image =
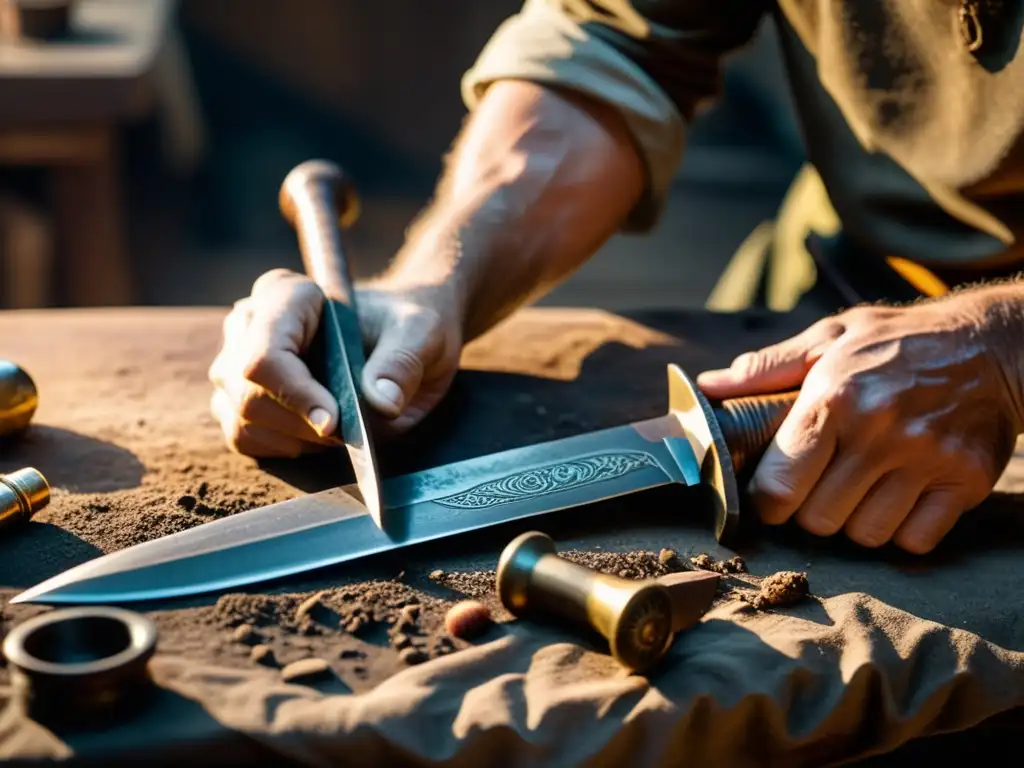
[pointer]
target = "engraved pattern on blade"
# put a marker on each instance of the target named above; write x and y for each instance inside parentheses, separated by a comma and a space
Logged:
(553, 478)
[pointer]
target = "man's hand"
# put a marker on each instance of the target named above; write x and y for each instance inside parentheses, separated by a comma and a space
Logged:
(267, 401)
(906, 418)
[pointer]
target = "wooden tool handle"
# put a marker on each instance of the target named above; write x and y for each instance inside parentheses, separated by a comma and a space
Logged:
(319, 200)
(749, 425)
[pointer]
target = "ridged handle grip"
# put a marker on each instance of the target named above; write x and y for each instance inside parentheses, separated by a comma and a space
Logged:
(749, 424)
(319, 200)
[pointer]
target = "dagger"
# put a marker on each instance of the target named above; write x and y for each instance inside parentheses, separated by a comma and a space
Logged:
(319, 200)
(693, 443)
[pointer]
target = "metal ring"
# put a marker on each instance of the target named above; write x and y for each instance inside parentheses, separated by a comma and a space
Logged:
(81, 663)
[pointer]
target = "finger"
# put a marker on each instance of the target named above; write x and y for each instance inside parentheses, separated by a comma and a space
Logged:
(771, 369)
(881, 512)
(272, 279)
(839, 490)
(400, 359)
(237, 320)
(251, 439)
(251, 403)
(277, 335)
(797, 457)
(934, 516)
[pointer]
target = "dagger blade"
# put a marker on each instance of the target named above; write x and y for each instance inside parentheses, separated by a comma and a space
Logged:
(332, 527)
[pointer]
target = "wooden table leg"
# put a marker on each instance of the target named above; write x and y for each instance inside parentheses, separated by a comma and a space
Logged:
(95, 270)
(26, 256)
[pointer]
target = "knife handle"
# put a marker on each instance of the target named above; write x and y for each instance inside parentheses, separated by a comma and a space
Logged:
(319, 200)
(749, 425)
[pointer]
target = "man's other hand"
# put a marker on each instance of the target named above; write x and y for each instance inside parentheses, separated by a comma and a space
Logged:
(906, 418)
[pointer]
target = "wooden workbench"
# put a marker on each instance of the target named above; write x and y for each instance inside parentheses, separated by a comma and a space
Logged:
(890, 648)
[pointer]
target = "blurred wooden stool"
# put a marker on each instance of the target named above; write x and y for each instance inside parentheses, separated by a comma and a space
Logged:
(66, 103)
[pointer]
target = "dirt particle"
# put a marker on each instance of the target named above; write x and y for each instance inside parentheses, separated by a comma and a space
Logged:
(410, 613)
(263, 655)
(781, 589)
(188, 503)
(400, 640)
(305, 669)
(351, 653)
(669, 559)
(467, 619)
(313, 610)
(444, 645)
(436, 575)
(412, 656)
(735, 564)
(706, 562)
(247, 634)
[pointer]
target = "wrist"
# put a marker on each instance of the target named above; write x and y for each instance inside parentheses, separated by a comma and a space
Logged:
(428, 278)
(474, 257)
(1001, 318)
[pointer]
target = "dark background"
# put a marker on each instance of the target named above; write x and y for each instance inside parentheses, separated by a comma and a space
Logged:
(375, 86)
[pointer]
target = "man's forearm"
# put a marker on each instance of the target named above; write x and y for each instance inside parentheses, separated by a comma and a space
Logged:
(535, 184)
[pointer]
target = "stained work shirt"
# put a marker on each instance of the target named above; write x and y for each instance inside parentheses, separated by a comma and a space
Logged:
(917, 139)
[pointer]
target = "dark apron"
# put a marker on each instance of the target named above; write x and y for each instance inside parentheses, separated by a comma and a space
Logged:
(804, 258)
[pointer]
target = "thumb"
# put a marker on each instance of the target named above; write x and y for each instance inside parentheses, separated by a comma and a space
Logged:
(395, 369)
(774, 368)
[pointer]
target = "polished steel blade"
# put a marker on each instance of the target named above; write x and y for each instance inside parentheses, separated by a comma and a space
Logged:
(344, 365)
(332, 527)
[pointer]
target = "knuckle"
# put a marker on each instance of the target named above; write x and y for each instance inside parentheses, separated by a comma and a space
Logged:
(776, 491)
(213, 373)
(871, 535)
(258, 366)
(830, 327)
(271, 277)
(306, 291)
(406, 362)
(846, 396)
(818, 524)
(249, 405)
(915, 544)
(750, 364)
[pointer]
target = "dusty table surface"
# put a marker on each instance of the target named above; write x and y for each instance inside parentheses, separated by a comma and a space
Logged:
(889, 648)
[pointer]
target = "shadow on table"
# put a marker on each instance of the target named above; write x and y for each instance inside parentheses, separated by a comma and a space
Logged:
(38, 551)
(169, 729)
(71, 460)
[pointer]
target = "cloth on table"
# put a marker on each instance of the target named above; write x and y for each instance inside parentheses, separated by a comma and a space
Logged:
(890, 648)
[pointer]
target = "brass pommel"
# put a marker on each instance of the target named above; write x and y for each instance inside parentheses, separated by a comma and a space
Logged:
(19, 398)
(635, 617)
(22, 494)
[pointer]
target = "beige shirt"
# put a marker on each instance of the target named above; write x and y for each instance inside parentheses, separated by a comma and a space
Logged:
(917, 139)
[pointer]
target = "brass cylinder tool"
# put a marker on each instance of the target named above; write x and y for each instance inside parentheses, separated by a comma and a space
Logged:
(19, 398)
(22, 494)
(635, 617)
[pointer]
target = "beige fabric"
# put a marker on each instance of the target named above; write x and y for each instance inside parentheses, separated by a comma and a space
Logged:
(891, 647)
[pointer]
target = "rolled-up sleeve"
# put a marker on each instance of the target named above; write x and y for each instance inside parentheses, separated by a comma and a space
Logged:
(654, 61)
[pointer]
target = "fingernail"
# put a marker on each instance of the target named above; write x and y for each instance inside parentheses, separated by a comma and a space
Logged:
(319, 419)
(390, 393)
